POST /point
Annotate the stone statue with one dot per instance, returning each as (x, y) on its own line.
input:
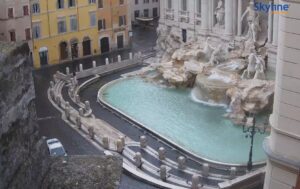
(217, 55)
(260, 69)
(220, 13)
(253, 22)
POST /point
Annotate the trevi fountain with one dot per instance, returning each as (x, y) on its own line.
(199, 93)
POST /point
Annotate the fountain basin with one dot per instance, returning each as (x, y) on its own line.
(173, 114)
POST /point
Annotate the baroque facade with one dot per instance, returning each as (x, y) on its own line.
(225, 20)
(69, 29)
(15, 21)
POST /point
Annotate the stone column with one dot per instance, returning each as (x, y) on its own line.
(239, 18)
(270, 26)
(229, 17)
(275, 27)
(204, 14)
(282, 146)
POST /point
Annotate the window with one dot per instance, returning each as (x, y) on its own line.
(36, 31)
(169, 4)
(136, 13)
(155, 1)
(12, 35)
(61, 25)
(136, 2)
(101, 24)
(121, 2)
(10, 12)
(122, 20)
(146, 1)
(27, 34)
(184, 5)
(100, 3)
(72, 3)
(92, 1)
(198, 6)
(155, 12)
(35, 8)
(93, 19)
(73, 23)
(25, 10)
(146, 12)
(60, 4)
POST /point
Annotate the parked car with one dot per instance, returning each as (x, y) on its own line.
(55, 147)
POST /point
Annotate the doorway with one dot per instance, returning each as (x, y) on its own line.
(120, 42)
(104, 44)
(86, 45)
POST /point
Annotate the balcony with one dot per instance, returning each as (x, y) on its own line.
(198, 18)
(184, 16)
(169, 14)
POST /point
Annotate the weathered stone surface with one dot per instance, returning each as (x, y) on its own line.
(77, 172)
(22, 153)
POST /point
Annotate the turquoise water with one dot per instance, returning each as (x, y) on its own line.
(198, 128)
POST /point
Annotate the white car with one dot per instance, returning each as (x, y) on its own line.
(55, 147)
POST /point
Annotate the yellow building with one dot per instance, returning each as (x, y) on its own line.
(114, 25)
(68, 29)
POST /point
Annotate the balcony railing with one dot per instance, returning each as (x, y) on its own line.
(169, 14)
(198, 18)
(184, 16)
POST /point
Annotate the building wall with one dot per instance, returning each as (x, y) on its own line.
(283, 144)
(141, 5)
(51, 39)
(19, 23)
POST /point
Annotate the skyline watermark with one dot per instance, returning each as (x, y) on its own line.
(274, 8)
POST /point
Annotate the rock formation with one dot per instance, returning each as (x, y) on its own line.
(219, 72)
(24, 159)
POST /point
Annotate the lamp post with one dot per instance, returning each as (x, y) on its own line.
(249, 127)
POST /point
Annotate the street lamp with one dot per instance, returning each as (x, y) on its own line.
(250, 129)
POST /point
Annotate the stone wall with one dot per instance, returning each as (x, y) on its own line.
(22, 154)
(24, 159)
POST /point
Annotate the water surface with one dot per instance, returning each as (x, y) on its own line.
(171, 112)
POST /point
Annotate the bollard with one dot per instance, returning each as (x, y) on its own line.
(91, 132)
(80, 67)
(122, 138)
(232, 172)
(81, 112)
(67, 71)
(130, 56)
(78, 122)
(55, 78)
(51, 84)
(105, 142)
(106, 61)
(52, 93)
(87, 106)
(67, 113)
(67, 105)
(161, 153)
(143, 141)
(58, 100)
(77, 99)
(120, 146)
(163, 173)
(138, 159)
(181, 162)
(94, 64)
(195, 181)
(71, 91)
(205, 169)
(74, 81)
(119, 58)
